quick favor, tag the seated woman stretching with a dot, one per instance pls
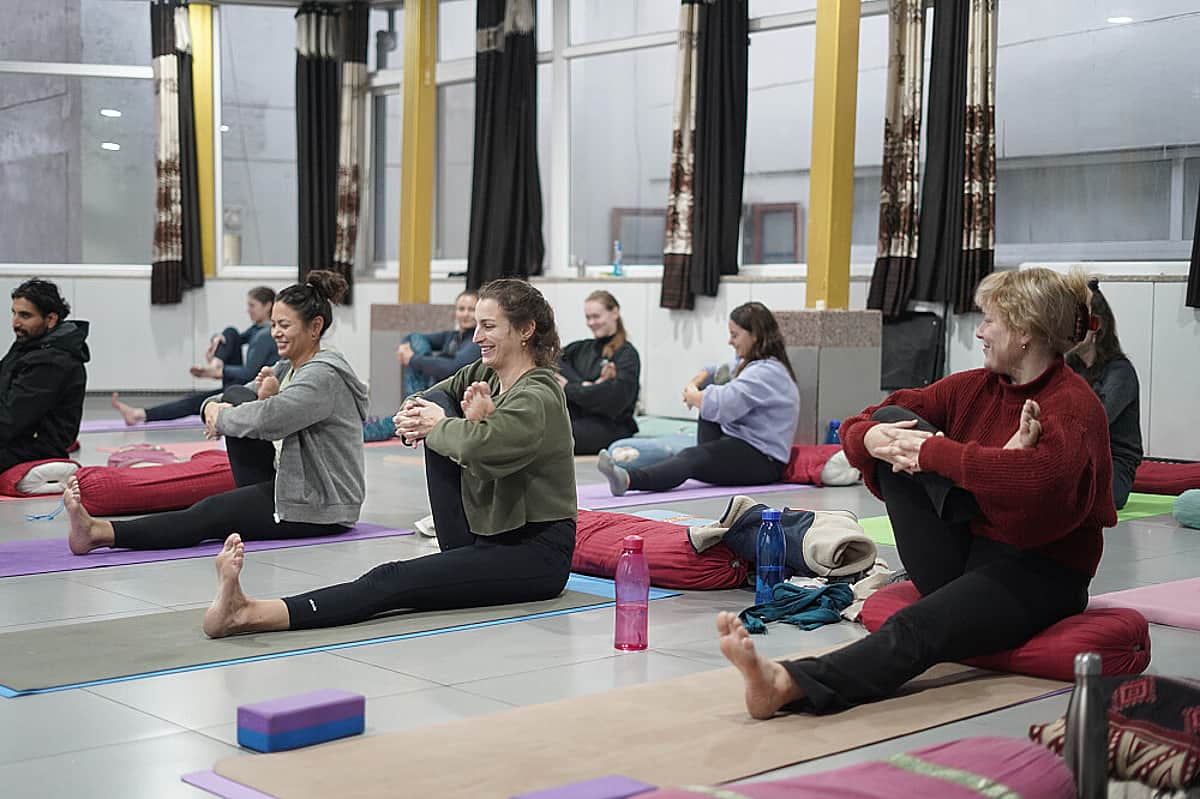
(746, 425)
(430, 357)
(224, 362)
(294, 442)
(1099, 360)
(501, 484)
(1000, 531)
(601, 376)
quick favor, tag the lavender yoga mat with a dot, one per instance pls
(1175, 604)
(118, 426)
(51, 554)
(214, 783)
(596, 496)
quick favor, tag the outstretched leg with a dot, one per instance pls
(86, 533)
(768, 685)
(130, 414)
(231, 610)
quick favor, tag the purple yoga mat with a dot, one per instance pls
(214, 783)
(52, 555)
(596, 496)
(118, 426)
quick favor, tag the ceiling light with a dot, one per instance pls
(224, 128)
(1119, 20)
(110, 112)
(109, 145)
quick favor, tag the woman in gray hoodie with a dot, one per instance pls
(294, 437)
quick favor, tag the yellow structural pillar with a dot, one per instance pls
(417, 148)
(831, 177)
(200, 21)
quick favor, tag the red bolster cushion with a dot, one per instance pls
(15, 474)
(672, 560)
(112, 490)
(807, 461)
(1154, 477)
(1120, 636)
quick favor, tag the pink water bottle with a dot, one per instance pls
(633, 596)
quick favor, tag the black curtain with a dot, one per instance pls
(939, 255)
(318, 87)
(1193, 286)
(176, 262)
(506, 194)
(724, 51)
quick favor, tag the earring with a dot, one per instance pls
(1025, 346)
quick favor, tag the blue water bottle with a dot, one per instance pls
(770, 557)
(618, 264)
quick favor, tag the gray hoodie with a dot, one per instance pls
(319, 417)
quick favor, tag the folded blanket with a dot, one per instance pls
(819, 543)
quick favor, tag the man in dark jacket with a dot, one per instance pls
(42, 378)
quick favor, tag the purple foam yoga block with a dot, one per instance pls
(614, 787)
(296, 712)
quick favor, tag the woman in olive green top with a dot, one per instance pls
(501, 472)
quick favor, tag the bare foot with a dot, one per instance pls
(768, 685)
(221, 618)
(86, 533)
(130, 414)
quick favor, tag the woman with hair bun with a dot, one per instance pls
(998, 484)
(501, 478)
(294, 437)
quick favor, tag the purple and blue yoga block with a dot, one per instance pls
(614, 787)
(300, 720)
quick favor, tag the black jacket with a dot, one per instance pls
(42, 384)
(613, 400)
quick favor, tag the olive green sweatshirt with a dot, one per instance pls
(518, 464)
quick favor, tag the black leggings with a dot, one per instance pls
(593, 433)
(522, 565)
(248, 510)
(717, 458)
(230, 352)
(979, 596)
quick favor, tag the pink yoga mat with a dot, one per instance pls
(119, 426)
(596, 496)
(52, 555)
(1175, 604)
(183, 450)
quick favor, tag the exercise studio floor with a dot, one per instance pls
(135, 738)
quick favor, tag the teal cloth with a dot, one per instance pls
(807, 608)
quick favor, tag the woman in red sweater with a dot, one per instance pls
(998, 483)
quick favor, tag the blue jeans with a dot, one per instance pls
(415, 381)
(653, 450)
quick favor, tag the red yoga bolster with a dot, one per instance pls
(1120, 636)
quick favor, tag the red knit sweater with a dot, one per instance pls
(1055, 498)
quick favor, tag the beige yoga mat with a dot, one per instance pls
(689, 730)
(76, 655)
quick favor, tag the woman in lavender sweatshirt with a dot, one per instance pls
(746, 425)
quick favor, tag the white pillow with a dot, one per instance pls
(838, 471)
(47, 478)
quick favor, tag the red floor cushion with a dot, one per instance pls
(807, 461)
(15, 474)
(1157, 477)
(113, 490)
(672, 560)
(1120, 636)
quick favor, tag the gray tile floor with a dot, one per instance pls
(134, 739)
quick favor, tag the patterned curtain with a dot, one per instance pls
(506, 192)
(896, 257)
(677, 250)
(351, 137)
(176, 260)
(318, 89)
(979, 173)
